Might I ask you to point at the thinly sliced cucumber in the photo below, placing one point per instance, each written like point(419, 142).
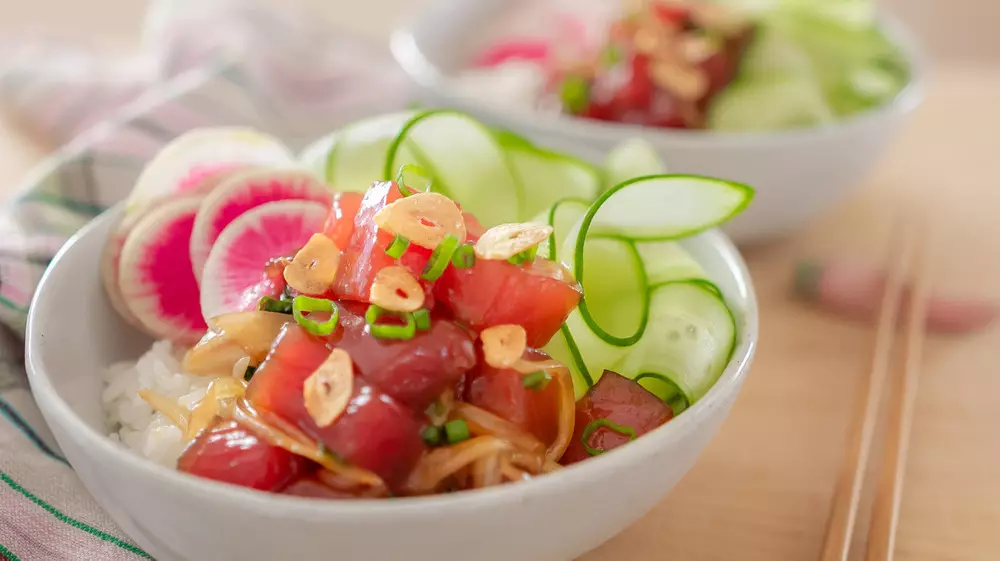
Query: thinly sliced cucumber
point(616, 255)
point(316, 157)
point(562, 216)
point(464, 160)
point(777, 102)
point(358, 157)
point(614, 300)
point(668, 261)
point(548, 177)
point(509, 139)
point(630, 159)
point(689, 339)
point(663, 207)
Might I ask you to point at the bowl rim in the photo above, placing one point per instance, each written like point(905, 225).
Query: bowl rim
point(405, 47)
point(56, 410)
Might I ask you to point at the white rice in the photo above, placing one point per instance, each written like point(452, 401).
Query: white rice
point(131, 420)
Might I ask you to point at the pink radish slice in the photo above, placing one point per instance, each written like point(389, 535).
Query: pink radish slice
point(198, 182)
point(155, 276)
point(189, 158)
point(242, 192)
point(234, 278)
point(514, 49)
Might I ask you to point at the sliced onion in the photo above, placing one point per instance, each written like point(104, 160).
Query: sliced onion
point(219, 400)
point(168, 407)
point(483, 423)
point(439, 464)
point(254, 331)
point(277, 432)
point(567, 414)
point(214, 355)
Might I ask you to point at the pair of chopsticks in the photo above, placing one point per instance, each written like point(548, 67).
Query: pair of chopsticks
point(908, 251)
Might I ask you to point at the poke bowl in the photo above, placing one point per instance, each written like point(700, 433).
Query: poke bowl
point(799, 102)
point(387, 347)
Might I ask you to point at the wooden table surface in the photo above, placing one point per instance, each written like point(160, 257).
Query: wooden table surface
point(761, 491)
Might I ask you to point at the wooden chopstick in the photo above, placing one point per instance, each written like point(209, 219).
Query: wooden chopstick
point(844, 511)
point(889, 490)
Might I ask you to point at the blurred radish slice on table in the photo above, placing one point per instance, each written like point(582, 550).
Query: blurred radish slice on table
point(242, 192)
point(198, 155)
point(236, 275)
point(155, 276)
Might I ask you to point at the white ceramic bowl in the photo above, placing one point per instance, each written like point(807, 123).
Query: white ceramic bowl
point(797, 174)
point(73, 334)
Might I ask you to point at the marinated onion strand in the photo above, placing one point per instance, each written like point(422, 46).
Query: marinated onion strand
point(338, 482)
point(486, 472)
point(219, 401)
point(168, 407)
point(483, 423)
point(512, 473)
point(437, 465)
point(278, 432)
point(567, 414)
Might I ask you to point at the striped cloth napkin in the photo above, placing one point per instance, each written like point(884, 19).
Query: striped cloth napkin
point(210, 62)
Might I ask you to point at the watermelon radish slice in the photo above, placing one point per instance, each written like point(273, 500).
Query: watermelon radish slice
point(201, 154)
point(535, 50)
point(234, 278)
point(154, 272)
point(201, 182)
point(242, 192)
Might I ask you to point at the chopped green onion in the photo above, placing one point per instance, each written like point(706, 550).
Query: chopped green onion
point(537, 380)
point(596, 424)
point(397, 247)
point(431, 435)
point(464, 257)
point(611, 55)
point(405, 331)
point(268, 304)
point(422, 317)
point(575, 94)
point(309, 304)
point(412, 179)
point(456, 431)
point(286, 293)
point(525, 256)
point(250, 371)
point(440, 258)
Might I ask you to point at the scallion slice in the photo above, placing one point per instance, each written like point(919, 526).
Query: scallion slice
point(456, 431)
point(575, 94)
point(268, 304)
point(303, 304)
point(596, 424)
point(525, 256)
point(536, 380)
point(464, 257)
point(404, 331)
point(422, 318)
point(397, 247)
point(440, 258)
point(431, 435)
point(412, 179)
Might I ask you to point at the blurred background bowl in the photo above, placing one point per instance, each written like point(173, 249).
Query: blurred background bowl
point(798, 174)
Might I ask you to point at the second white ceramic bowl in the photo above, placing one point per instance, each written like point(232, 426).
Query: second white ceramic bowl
point(74, 334)
point(797, 174)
